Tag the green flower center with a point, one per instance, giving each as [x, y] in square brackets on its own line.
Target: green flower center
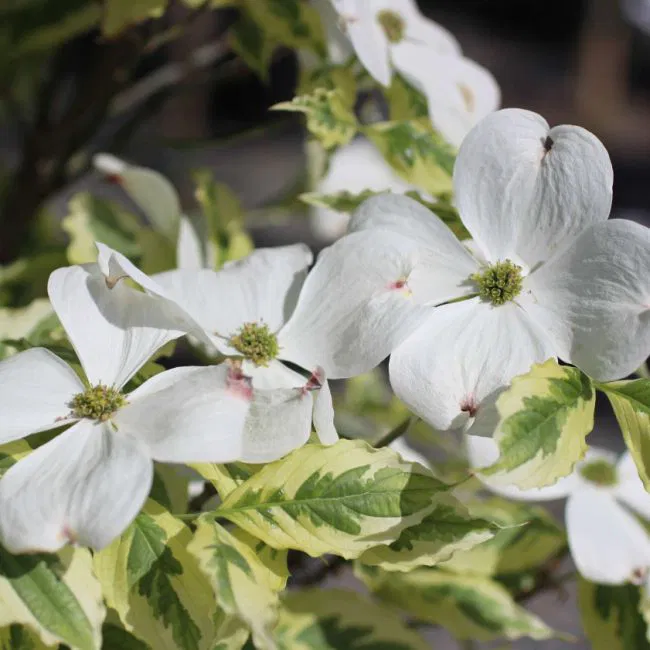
[392, 24]
[97, 403]
[256, 342]
[599, 472]
[500, 282]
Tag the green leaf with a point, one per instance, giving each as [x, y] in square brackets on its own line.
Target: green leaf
[335, 619]
[17, 637]
[225, 237]
[157, 252]
[293, 23]
[544, 419]
[246, 575]
[11, 453]
[226, 478]
[330, 77]
[529, 537]
[448, 528]
[346, 202]
[253, 44]
[329, 119]
[92, 219]
[418, 154]
[470, 607]
[118, 14]
[230, 632]
[404, 101]
[57, 597]
[342, 499]
[155, 585]
[610, 616]
[115, 637]
[631, 403]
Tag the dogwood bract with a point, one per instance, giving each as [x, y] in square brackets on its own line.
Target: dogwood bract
[240, 312]
[551, 277]
[608, 543]
[393, 34]
[88, 483]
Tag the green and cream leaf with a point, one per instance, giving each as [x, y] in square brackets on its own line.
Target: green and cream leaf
[343, 498]
[545, 417]
[336, 619]
[247, 576]
[156, 586]
[631, 403]
[56, 596]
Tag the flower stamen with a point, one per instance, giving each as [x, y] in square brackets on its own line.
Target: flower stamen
[392, 24]
[600, 472]
[500, 282]
[256, 342]
[97, 403]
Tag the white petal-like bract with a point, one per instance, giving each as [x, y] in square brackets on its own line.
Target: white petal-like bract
[85, 486]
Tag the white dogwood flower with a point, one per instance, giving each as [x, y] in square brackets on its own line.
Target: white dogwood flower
[88, 483]
[605, 498]
[392, 35]
[552, 278]
[377, 27]
[240, 312]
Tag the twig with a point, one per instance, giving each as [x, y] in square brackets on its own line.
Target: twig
[396, 433]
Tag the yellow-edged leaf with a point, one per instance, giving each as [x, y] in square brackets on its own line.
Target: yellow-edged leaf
[631, 403]
[156, 586]
[56, 596]
[545, 418]
[343, 498]
[246, 575]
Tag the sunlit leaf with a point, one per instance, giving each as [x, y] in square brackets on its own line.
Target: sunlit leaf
[544, 419]
[343, 499]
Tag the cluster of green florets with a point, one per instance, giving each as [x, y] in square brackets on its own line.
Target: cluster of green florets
[256, 342]
[393, 25]
[500, 282]
[97, 403]
[599, 472]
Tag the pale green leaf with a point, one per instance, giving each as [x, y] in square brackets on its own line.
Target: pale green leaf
[329, 119]
[404, 101]
[447, 529]
[342, 499]
[56, 596]
[334, 619]
[22, 322]
[120, 14]
[345, 202]
[416, 153]
[92, 219]
[470, 607]
[11, 453]
[544, 420]
[230, 632]
[246, 575]
[631, 403]
[155, 585]
[157, 252]
[529, 537]
[610, 616]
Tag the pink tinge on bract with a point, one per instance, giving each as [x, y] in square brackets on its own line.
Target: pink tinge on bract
[239, 384]
[315, 381]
